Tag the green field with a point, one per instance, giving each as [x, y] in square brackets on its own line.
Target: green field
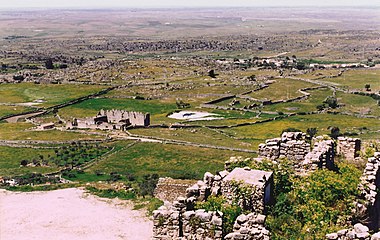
[91, 107]
[166, 160]
[23, 131]
[10, 158]
[322, 122]
[50, 94]
[357, 79]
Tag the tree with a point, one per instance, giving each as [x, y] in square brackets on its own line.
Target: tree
[321, 107]
[311, 132]
[367, 87]
[335, 132]
[212, 74]
[252, 78]
[331, 101]
[148, 184]
[24, 163]
[49, 64]
[301, 66]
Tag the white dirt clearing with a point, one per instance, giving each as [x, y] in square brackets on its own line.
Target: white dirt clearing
[69, 214]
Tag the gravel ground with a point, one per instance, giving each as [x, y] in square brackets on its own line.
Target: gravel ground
[69, 214]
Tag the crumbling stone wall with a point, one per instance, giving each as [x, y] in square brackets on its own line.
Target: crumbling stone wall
[169, 189]
[358, 231]
[368, 207]
[291, 145]
[200, 225]
[135, 118]
[166, 223]
[349, 147]
[180, 220]
[249, 227]
[322, 155]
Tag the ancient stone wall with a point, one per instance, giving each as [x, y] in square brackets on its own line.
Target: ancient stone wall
[180, 220]
[135, 118]
[169, 189]
[358, 231]
[367, 207]
[249, 227]
[322, 155]
[199, 225]
[291, 145]
[349, 147]
[166, 223]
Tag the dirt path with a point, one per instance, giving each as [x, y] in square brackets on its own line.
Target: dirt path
[16, 118]
[69, 214]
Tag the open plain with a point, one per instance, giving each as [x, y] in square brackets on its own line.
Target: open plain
[115, 100]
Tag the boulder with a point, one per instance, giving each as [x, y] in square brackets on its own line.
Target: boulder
[360, 228]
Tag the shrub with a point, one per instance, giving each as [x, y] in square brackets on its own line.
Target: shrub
[291, 130]
[317, 204]
[230, 211]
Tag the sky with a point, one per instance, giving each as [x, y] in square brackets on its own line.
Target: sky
[178, 3]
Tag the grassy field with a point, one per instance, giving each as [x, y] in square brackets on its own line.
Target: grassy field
[165, 160]
[322, 122]
[8, 110]
[198, 135]
[358, 104]
[22, 131]
[357, 79]
[10, 158]
[316, 98]
[282, 89]
[51, 94]
[91, 107]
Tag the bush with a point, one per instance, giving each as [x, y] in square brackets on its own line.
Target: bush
[317, 204]
[291, 130]
[230, 211]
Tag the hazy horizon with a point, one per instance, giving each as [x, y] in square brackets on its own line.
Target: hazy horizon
[95, 4]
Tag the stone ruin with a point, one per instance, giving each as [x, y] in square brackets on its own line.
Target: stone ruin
[367, 207]
[135, 118]
[349, 147]
[169, 189]
[291, 145]
[180, 219]
[111, 120]
[294, 146]
[322, 155]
